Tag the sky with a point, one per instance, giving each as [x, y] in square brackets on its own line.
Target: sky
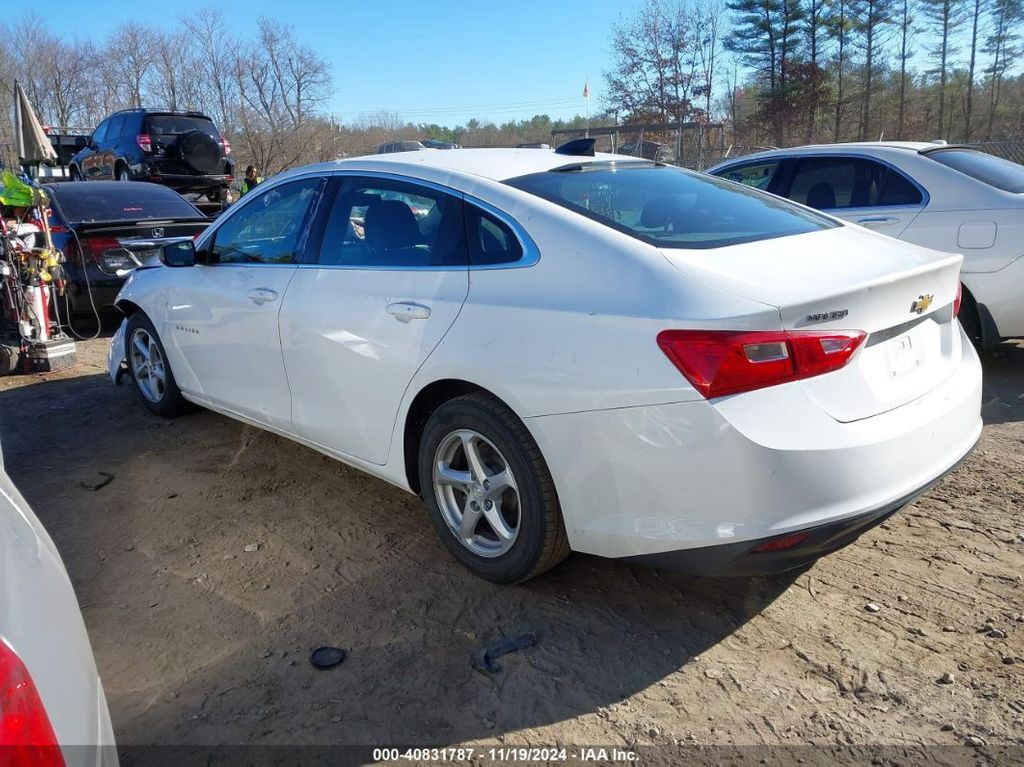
[442, 61]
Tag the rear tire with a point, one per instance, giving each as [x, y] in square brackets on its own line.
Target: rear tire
[527, 535]
[970, 319]
[149, 369]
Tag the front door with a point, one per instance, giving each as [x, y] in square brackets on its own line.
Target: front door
[223, 314]
[389, 282]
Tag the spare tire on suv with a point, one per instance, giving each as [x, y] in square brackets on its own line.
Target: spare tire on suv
[200, 151]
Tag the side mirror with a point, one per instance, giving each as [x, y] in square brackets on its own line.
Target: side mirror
[179, 254]
[82, 142]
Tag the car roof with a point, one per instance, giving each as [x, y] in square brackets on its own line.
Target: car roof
[492, 164]
[877, 148]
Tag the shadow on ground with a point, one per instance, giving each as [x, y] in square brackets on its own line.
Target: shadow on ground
[1003, 400]
[199, 641]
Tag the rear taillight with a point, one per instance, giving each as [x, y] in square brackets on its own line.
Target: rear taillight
[227, 147]
[26, 735]
[97, 247]
[145, 142]
[720, 362]
[958, 300]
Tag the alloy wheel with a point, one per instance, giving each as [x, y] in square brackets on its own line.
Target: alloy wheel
[477, 493]
[148, 367]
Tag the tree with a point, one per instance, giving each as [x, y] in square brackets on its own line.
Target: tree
[815, 30]
[945, 15]
[131, 54]
[976, 9]
[873, 18]
[654, 61]
[906, 31]
[1001, 45]
[765, 35]
[840, 28]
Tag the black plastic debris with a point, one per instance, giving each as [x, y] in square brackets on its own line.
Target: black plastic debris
[484, 658]
[107, 479]
[324, 658]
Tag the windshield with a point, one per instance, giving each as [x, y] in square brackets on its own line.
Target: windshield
[174, 125]
[89, 203]
[672, 208]
[989, 169]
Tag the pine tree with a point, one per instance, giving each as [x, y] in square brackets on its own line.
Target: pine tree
[945, 16]
[872, 20]
[766, 34]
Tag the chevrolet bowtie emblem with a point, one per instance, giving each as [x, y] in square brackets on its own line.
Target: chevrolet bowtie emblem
[920, 306]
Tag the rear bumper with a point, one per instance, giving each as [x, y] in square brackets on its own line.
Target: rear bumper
[664, 479]
[743, 559]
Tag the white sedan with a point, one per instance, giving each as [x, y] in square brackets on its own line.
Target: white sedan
[563, 351]
[950, 198]
[52, 708]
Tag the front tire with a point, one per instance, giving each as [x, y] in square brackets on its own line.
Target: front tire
[124, 174]
[488, 491]
[149, 370]
[75, 174]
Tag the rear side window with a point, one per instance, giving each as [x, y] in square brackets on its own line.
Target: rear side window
[490, 241]
[672, 208]
[758, 175]
[377, 222]
[175, 125]
[829, 183]
[89, 203]
[989, 169]
[115, 128]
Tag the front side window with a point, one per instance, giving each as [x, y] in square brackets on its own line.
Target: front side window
[269, 228]
[758, 175]
[829, 183]
[669, 207]
[383, 223]
[989, 169]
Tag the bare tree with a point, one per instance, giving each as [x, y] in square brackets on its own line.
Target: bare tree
[906, 31]
[655, 56]
[976, 8]
[213, 58]
[131, 50]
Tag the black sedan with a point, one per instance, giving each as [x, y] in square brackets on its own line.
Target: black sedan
[107, 228]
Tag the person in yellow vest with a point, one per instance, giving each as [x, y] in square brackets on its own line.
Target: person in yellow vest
[251, 180]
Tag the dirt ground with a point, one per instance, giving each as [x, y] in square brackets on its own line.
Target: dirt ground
[199, 641]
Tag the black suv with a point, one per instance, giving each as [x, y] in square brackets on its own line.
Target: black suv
[182, 150]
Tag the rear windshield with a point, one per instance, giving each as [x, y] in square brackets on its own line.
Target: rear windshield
[85, 203]
[989, 169]
[174, 125]
[672, 208]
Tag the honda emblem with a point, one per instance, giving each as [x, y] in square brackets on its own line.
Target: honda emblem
[158, 231]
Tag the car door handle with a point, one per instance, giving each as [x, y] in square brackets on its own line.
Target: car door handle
[405, 311]
[261, 296]
[877, 220]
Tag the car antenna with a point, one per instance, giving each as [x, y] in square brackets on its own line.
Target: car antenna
[581, 147]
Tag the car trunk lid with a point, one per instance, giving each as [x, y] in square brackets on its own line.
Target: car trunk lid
[900, 295]
[120, 247]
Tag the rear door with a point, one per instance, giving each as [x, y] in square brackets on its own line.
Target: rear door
[861, 190]
[223, 315]
[390, 278]
[165, 132]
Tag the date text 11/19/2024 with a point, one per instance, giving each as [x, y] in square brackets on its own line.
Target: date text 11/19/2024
[505, 754]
